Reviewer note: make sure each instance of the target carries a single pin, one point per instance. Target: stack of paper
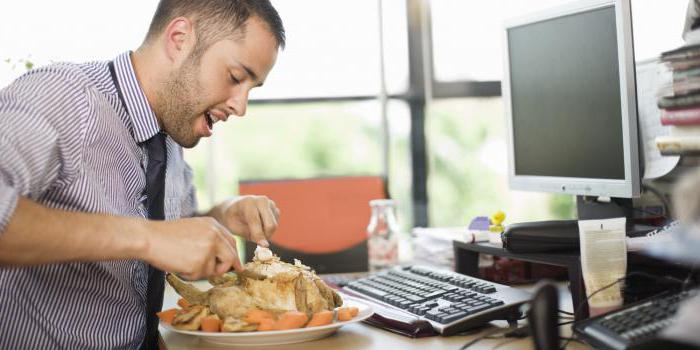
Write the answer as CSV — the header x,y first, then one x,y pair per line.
x,y
679,102
433,246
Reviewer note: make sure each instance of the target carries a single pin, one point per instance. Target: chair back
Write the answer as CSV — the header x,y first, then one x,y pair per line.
x,y
323,220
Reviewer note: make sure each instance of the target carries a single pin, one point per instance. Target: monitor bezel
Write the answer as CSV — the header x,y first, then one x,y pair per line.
x,y
628,187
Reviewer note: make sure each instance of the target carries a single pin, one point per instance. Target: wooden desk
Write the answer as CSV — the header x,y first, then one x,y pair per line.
x,y
359,336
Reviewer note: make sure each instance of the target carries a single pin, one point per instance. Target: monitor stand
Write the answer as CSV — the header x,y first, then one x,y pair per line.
x,y
588,208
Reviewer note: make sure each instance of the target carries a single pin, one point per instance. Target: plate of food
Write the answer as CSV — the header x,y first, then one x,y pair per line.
x,y
271,303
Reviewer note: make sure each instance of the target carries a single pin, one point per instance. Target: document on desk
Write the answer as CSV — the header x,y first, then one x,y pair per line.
x,y
603,260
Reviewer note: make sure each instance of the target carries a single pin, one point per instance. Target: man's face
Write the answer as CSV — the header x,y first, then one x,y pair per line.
x,y
199,94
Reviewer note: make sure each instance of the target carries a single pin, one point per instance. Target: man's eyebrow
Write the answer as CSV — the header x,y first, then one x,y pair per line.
x,y
252,74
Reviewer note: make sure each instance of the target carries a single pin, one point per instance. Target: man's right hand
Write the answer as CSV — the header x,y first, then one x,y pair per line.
x,y
193,248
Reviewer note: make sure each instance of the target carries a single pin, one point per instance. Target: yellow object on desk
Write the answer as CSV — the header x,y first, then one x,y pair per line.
x,y
495,229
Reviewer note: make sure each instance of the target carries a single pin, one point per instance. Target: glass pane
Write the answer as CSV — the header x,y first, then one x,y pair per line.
x,y
293,141
400,161
395,46
467,36
466,40
658,26
469,170
332,50
74,31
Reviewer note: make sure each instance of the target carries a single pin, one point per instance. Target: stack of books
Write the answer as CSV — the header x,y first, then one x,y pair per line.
x,y
679,102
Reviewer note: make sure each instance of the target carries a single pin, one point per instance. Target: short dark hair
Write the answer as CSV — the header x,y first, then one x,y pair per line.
x,y
215,20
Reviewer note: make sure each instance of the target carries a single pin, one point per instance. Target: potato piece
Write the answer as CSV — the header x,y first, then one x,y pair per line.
x,y
190,319
232,324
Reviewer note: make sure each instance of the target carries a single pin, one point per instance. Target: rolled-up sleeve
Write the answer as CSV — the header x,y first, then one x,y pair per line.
x,y
40,136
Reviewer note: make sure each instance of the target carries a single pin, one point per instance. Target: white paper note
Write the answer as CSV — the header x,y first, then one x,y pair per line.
x,y
603,260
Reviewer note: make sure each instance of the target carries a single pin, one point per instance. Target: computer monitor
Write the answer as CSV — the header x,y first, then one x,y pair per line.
x,y
570,100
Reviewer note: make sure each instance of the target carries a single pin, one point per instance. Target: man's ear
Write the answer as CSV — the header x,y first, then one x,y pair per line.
x,y
179,39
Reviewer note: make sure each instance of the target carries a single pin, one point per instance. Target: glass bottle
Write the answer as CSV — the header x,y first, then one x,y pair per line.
x,y
382,235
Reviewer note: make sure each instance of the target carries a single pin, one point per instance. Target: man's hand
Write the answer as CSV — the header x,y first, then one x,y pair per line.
x,y
194,248
252,217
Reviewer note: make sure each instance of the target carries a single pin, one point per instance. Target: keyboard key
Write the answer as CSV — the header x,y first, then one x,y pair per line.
x,y
475,309
454,317
489,289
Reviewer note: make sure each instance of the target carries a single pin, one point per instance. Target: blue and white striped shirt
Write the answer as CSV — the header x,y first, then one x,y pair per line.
x,y
67,142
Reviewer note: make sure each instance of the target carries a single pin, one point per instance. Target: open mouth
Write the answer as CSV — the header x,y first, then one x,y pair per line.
x,y
209,119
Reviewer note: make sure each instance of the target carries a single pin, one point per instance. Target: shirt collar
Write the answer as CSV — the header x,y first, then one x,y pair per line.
x,y
143,119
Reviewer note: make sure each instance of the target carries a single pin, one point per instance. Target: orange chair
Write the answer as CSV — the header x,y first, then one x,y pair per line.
x,y
323,221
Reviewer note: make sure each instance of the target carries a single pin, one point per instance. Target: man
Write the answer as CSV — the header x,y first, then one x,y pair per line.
x,y
91,151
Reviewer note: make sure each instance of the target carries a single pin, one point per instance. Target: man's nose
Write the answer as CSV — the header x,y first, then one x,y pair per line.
x,y
238,102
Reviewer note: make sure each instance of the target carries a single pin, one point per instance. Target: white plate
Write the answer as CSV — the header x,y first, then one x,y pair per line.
x,y
280,337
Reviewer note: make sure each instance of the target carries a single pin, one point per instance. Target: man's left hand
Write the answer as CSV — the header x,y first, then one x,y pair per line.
x,y
253,217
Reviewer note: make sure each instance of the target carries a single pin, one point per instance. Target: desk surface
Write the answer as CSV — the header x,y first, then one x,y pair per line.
x,y
361,336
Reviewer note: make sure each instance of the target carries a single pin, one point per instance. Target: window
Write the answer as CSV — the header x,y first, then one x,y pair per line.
x,y
469,167
333,49
53,31
467,38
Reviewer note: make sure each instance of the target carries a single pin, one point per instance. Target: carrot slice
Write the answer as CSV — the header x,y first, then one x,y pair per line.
x,y
266,324
291,320
256,316
183,303
211,323
321,318
167,316
344,314
354,311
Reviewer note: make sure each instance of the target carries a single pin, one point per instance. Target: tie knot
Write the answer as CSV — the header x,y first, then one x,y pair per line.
x,y
155,146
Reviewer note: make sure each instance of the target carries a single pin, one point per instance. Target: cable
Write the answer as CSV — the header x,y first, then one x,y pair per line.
x,y
662,198
503,343
686,282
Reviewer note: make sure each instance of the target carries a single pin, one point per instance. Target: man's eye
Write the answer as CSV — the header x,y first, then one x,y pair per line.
x,y
234,80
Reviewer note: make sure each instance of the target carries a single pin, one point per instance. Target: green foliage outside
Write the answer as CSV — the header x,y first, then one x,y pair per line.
x,y
468,167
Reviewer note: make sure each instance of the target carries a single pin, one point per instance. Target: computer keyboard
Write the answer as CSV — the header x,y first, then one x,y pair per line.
x,y
449,301
632,325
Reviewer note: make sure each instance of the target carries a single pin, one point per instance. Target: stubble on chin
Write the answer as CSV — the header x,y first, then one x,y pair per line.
x,y
177,106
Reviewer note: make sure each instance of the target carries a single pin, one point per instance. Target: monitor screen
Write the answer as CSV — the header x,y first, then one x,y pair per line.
x,y
570,129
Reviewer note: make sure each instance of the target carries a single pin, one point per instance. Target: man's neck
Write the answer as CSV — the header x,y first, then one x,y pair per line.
x,y
149,75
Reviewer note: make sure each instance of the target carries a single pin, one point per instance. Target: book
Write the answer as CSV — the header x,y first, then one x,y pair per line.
x,y
682,75
678,88
681,53
676,102
681,116
684,130
678,145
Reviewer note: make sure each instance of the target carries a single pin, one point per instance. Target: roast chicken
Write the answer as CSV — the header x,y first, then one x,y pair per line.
x,y
266,284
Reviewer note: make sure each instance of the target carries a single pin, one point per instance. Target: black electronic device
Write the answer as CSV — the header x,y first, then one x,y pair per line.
x,y
541,236
635,326
543,317
448,301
